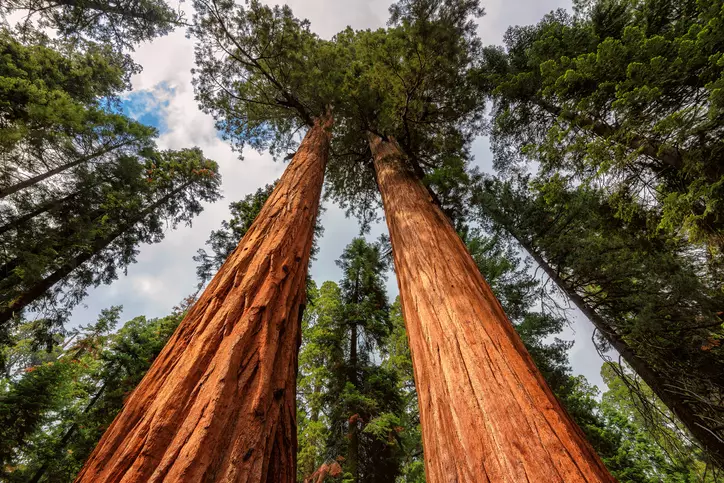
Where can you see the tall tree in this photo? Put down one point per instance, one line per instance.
(461, 342)
(624, 94)
(230, 367)
(351, 405)
(121, 24)
(647, 295)
(223, 241)
(166, 187)
(411, 82)
(365, 406)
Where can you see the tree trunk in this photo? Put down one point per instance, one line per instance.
(353, 453)
(673, 400)
(41, 177)
(39, 210)
(668, 155)
(28, 295)
(68, 434)
(487, 414)
(218, 404)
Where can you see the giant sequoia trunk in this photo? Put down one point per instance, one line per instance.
(218, 404)
(487, 414)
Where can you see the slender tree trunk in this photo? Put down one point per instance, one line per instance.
(673, 400)
(39, 210)
(487, 414)
(27, 296)
(668, 155)
(353, 453)
(68, 434)
(60, 236)
(218, 404)
(41, 177)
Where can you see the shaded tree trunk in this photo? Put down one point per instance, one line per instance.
(68, 435)
(487, 414)
(353, 453)
(218, 404)
(673, 399)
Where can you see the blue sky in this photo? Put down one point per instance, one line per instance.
(162, 96)
(149, 106)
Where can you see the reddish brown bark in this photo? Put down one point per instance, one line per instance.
(487, 414)
(218, 404)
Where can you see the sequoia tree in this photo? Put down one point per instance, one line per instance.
(410, 82)
(230, 368)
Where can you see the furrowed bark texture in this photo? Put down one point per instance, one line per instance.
(218, 404)
(487, 414)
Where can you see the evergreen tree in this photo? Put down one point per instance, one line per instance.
(74, 395)
(223, 241)
(351, 406)
(624, 94)
(412, 83)
(81, 185)
(99, 232)
(121, 24)
(248, 318)
(648, 295)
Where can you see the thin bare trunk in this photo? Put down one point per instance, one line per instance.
(487, 414)
(39, 210)
(218, 404)
(353, 453)
(20, 297)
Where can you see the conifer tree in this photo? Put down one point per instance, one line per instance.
(98, 232)
(648, 295)
(411, 82)
(622, 94)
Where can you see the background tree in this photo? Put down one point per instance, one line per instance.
(350, 405)
(121, 24)
(622, 95)
(142, 196)
(648, 295)
(93, 371)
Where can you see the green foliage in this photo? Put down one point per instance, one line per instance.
(649, 431)
(51, 260)
(223, 241)
(81, 187)
(651, 295)
(410, 81)
(54, 412)
(623, 95)
(120, 24)
(350, 407)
